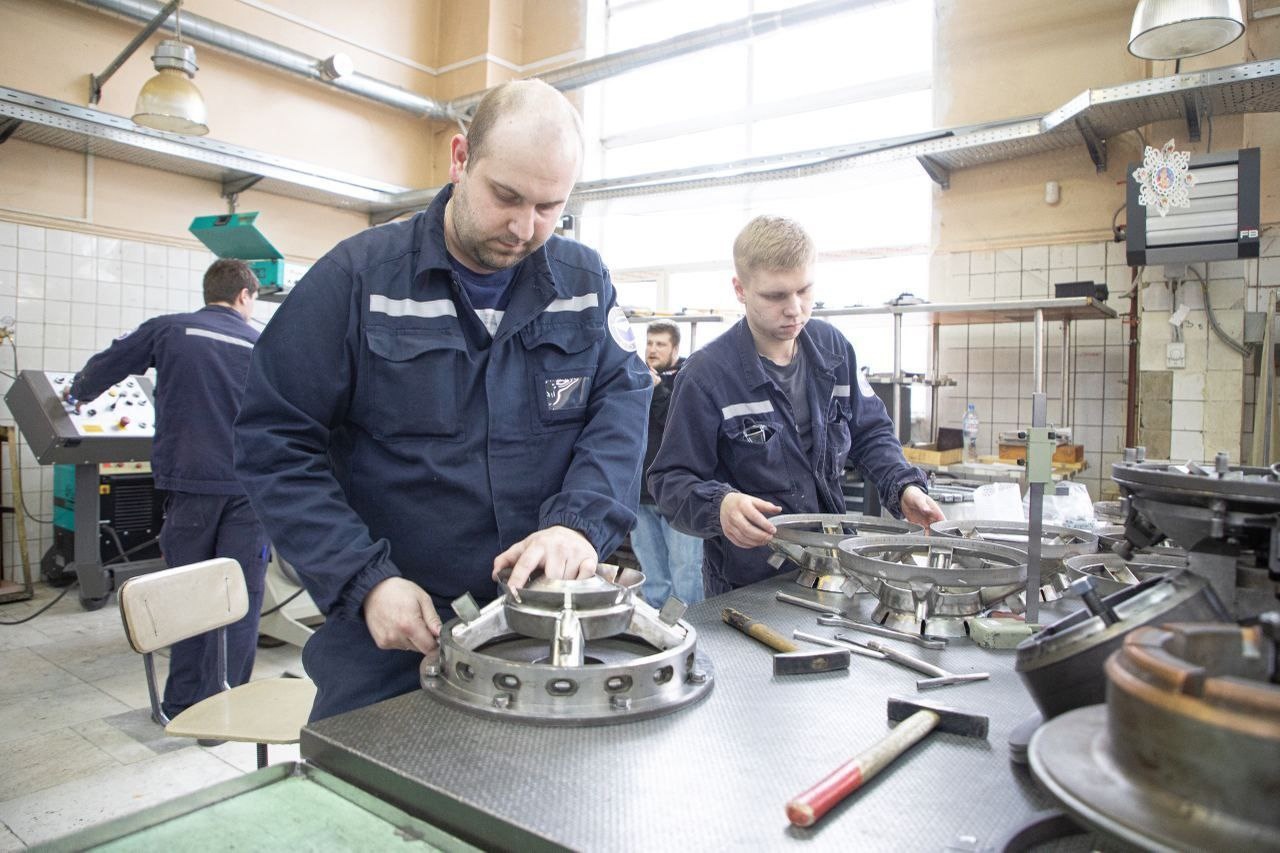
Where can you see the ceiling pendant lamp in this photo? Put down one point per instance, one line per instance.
(170, 101)
(1177, 29)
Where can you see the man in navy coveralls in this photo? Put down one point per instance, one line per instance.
(443, 398)
(201, 360)
(763, 418)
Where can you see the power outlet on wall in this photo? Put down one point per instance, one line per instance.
(1175, 355)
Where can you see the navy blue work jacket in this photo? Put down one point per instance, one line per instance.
(201, 360)
(723, 391)
(384, 432)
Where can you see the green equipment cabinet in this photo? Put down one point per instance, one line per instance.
(236, 235)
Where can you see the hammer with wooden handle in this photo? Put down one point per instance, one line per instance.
(793, 660)
(918, 719)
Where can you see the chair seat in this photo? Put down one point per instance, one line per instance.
(271, 710)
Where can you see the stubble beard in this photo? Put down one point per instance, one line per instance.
(475, 245)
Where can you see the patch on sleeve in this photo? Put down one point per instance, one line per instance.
(620, 329)
(864, 386)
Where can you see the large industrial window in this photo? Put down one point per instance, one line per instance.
(858, 75)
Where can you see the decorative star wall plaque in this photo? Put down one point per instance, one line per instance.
(1164, 178)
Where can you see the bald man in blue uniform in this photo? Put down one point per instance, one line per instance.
(445, 398)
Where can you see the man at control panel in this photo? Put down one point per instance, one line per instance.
(443, 399)
(201, 360)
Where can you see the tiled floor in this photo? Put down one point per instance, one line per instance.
(77, 745)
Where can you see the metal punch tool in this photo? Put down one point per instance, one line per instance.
(881, 631)
(939, 677)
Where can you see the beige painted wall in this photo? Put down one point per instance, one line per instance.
(1001, 59)
(49, 47)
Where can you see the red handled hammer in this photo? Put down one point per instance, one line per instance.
(918, 719)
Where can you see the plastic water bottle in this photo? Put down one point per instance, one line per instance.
(970, 424)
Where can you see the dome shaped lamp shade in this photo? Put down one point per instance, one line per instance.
(170, 101)
(1176, 29)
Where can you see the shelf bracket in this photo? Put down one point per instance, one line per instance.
(941, 174)
(7, 128)
(1097, 145)
(235, 186)
(1191, 106)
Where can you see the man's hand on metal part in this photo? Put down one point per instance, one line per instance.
(561, 552)
(401, 617)
(742, 518)
(919, 508)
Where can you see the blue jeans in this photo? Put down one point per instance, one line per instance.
(671, 560)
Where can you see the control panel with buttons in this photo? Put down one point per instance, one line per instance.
(117, 426)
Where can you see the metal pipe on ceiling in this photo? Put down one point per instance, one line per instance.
(241, 43)
(591, 71)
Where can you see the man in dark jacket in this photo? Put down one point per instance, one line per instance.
(763, 418)
(201, 360)
(671, 560)
(442, 399)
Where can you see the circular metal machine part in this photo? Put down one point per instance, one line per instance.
(568, 652)
(1112, 573)
(809, 541)
(1192, 503)
(930, 585)
(1056, 544)
(1184, 755)
(1226, 516)
(1062, 664)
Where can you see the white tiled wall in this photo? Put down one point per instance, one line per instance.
(70, 294)
(1213, 396)
(992, 363)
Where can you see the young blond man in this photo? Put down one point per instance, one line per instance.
(763, 418)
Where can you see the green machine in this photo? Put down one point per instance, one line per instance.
(236, 235)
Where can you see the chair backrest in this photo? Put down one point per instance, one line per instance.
(161, 608)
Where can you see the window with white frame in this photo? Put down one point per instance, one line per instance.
(854, 76)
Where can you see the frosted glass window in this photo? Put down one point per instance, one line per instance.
(847, 78)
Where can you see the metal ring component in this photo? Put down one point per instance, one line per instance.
(809, 542)
(1183, 755)
(1062, 665)
(568, 652)
(929, 585)
(1056, 543)
(1114, 573)
(1225, 516)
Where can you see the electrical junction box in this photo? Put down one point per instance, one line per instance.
(236, 235)
(1175, 355)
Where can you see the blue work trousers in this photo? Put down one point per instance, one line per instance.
(671, 560)
(201, 527)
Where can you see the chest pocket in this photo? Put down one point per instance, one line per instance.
(757, 465)
(839, 440)
(413, 387)
(562, 367)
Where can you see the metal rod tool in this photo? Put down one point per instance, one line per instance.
(939, 676)
(816, 606)
(881, 631)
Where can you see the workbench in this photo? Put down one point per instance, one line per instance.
(715, 775)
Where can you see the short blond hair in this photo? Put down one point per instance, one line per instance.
(772, 243)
